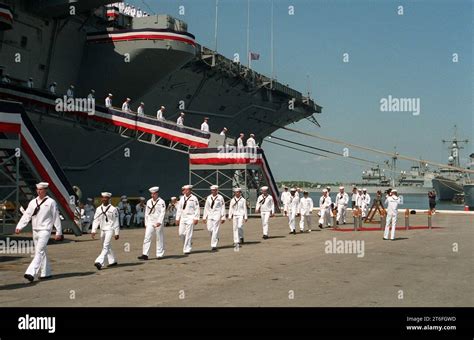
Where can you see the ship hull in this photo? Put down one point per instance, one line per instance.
(446, 188)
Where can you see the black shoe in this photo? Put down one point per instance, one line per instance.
(98, 265)
(113, 264)
(301, 231)
(29, 277)
(213, 249)
(143, 257)
(265, 237)
(337, 223)
(241, 240)
(320, 226)
(46, 277)
(385, 239)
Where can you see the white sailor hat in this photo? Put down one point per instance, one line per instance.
(142, 198)
(124, 200)
(285, 187)
(224, 128)
(206, 118)
(92, 90)
(110, 95)
(72, 86)
(89, 199)
(42, 185)
(162, 107)
(142, 103)
(128, 99)
(214, 187)
(305, 192)
(173, 198)
(237, 189)
(182, 113)
(187, 186)
(123, 197)
(54, 83)
(31, 78)
(359, 189)
(252, 135)
(265, 188)
(364, 189)
(293, 189)
(328, 187)
(154, 189)
(394, 190)
(341, 187)
(325, 190)
(106, 194)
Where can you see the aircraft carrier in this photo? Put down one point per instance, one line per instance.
(151, 59)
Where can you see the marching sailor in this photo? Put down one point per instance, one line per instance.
(392, 201)
(43, 213)
(367, 202)
(141, 109)
(238, 214)
(126, 105)
(154, 218)
(205, 125)
(342, 200)
(107, 219)
(89, 212)
(360, 203)
(354, 198)
(70, 92)
(140, 211)
(52, 87)
(214, 215)
(284, 198)
(125, 212)
(160, 112)
(108, 101)
(187, 216)
(180, 120)
(171, 211)
(306, 209)
(331, 214)
(251, 141)
(293, 210)
(324, 209)
(91, 95)
(30, 83)
(240, 141)
(266, 208)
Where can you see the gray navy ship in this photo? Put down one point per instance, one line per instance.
(151, 59)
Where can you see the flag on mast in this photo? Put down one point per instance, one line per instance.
(254, 56)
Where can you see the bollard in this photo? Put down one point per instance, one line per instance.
(359, 214)
(354, 215)
(382, 220)
(429, 219)
(334, 218)
(407, 219)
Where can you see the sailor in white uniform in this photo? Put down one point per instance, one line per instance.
(30, 83)
(44, 214)
(160, 112)
(125, 212)
(331, 214)
(306, 209)
(205, 125)
(154, 218)
(293, 210)
(354, 198)
(6, 79)
(187, 216)
(91, 95)
(324, 209)
(238, 214)
(342, 200)
(214, 215)
(251, 141)
(107, 219)
(266, 208)
(171, 211)
(126, 105)
(367, 202)
(141, 109)
(240, 141)
(284, 197)
(223, 132)
(89, 212)
(360, 202)
(180, 120)
(108, 101)
(70, 92)
(52, 87)
(140, 211)
(391, 202)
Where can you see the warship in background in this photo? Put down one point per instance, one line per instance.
(168, 67)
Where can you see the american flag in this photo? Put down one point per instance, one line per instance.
(254, 56)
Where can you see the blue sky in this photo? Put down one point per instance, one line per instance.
(406, 55)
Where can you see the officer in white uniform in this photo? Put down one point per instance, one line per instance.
(44, 214)
(154, 218)
(180, 120)
(140, 211)
(108, 101)
(160, 112)
(251, 141)
(391, 202)
(107, 219)
(342, 200)
(125, 212)
(126, 105)
(266, 208)
(205, 125)
(293, 210)
(354, 198)
(70, 92)
(187, 216)
(141, 109)
(367, 202)
(52, 87)
(284, 197)
(89, 212)
(238, 214)
(324, 209)
(306, 209)
(360, 203)
(214, 215)
(240, 141)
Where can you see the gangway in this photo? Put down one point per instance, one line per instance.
(25, 160)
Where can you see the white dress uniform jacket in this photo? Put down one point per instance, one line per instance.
(266, 207)
(285, 195)
(187, 211)
(305, 209)
(325, 210)
(392, 203)
(342, 200)
(107, 219)
(293, 209)
(154, 222)
(238, 213)
(251, 143)
(214, 212)
(205, 127)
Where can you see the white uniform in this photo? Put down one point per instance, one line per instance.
(154, 218)
(325, 209)
(293, 209)
(354, 200)
(159, 115)
(70, 93)
(88, 217)
(180, 121)
(126, 106)
(367, 204)
(266, 207)
(42, 224)
(342, 200)
(30, 83)
(205, 127)
(285, 195)
(171, 213)
(240, 143)
(125, 213)
(214, 213)
(238, 213)
(306, 207)
(52, 89)
(362, 203)
(141, 111)
(251, 143)
(139, 213)
(392, 203)
(187, 212)
(106, 217)
(108, 102)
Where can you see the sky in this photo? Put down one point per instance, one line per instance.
(403, 56)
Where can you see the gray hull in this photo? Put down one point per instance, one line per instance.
(446, 188)
(469, 195)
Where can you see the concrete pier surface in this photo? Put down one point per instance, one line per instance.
(327, 267)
